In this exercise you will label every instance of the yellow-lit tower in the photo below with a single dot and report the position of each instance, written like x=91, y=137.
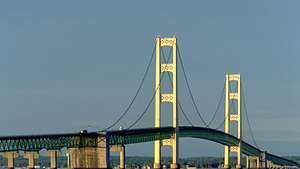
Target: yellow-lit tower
x=166, y=98
x=234, y=94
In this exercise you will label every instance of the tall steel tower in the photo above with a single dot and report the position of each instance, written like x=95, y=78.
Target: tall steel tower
x=166, y=98
x=233, y=80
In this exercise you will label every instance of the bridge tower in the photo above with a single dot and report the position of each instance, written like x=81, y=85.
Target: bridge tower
x=166, y=98
x=233, y=80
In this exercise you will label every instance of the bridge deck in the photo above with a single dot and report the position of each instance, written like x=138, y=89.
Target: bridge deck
x=48, y=141
x=73, y=140
x=151, y=134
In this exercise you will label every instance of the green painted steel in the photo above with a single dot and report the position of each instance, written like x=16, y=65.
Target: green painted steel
x=151, y=134
x=138, y=135
x=147, y=135
x=49, y=142
x=133, y=136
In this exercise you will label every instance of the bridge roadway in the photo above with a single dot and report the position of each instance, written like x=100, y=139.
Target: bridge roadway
x=132, y=136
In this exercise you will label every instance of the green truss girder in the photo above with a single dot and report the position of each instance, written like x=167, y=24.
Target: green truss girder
x=133, y=136
x=49, y=142
x=151, y=134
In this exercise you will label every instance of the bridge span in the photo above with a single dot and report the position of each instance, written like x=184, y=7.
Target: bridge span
x=94, y=147
x=124, y=137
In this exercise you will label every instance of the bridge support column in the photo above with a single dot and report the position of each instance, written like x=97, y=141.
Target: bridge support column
x=122, y=157
x=157, y=143
x=174, y=164
x=121, y=150
x=11, y=158
x=170, y=97
x=103, y=152
x=53, y=154
x=31, y=156
x=90, y=157
x=233, y=114
x=73, y=155
x=252, y=162
x=263, y=160
x=85, y=157
x=270, y=164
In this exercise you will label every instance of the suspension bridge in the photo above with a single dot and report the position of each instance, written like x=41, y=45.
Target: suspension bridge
x=92, y=149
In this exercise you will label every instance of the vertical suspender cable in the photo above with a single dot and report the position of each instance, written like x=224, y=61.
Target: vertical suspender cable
x=136, y=94
x=218, y=105
x=148, y=105
x=189, y=89
x=179, y=105
x=248, y=121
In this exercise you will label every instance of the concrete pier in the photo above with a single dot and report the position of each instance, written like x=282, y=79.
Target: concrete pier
x=53, y=154
x=90, y=157
x=252, y=162
x=122, y=157
x=10, y=156
x=263, y=160
x=121, y=150
x=32, y=157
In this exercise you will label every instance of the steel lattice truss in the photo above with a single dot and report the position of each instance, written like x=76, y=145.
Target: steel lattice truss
x=151, y=134
x=49, y=142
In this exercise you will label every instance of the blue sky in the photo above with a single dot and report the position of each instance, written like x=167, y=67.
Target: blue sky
x=69, y=65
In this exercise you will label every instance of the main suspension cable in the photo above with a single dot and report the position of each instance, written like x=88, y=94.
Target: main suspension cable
x=230, y=105
x=189, y=89
x=148, y=105
x=221, y=124
x=218, y=105
x=180, y=106
x=136, y=94
x=246, y=112
x=185, y=115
